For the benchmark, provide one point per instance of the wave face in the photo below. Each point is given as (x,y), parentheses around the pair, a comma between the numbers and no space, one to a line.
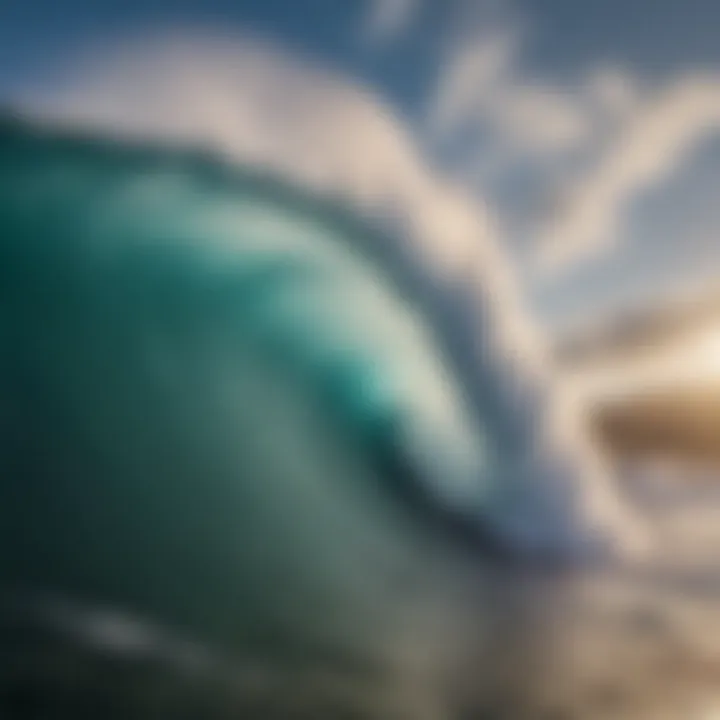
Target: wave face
(205,369)
(154,256)
(129,271)
(242,445)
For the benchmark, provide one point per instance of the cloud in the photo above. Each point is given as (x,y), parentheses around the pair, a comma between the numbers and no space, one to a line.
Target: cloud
(471,73)
(653,140)
(612,92)
(480,88)
(597,143)
(387,19)
(539,119)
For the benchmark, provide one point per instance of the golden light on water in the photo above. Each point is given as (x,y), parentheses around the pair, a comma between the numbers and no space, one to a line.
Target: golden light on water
(704,354)
(690,362)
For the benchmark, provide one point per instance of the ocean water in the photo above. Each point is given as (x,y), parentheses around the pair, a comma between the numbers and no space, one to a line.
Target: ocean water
(247,470)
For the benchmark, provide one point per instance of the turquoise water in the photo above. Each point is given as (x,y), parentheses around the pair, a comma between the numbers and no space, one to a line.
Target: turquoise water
(222,404)
(245,472)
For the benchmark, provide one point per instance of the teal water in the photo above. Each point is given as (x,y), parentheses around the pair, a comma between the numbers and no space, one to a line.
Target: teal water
(223,406)
(245,473)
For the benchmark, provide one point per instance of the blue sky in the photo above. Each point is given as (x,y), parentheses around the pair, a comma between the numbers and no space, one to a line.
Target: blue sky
(588,129)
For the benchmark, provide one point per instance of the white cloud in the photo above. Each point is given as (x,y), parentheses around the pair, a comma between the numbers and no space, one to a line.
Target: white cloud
(652,142)
(481,89)
(619,138)
(539,119)
(613,92)
(472,72)
(387,19)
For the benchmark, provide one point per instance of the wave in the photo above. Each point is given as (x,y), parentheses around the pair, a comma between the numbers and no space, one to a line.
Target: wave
(170,319)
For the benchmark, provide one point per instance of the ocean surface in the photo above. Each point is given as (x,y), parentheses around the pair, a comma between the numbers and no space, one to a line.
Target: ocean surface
(249,469)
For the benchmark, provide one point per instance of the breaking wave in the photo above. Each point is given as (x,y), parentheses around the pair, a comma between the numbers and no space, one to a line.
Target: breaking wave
(177,330)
